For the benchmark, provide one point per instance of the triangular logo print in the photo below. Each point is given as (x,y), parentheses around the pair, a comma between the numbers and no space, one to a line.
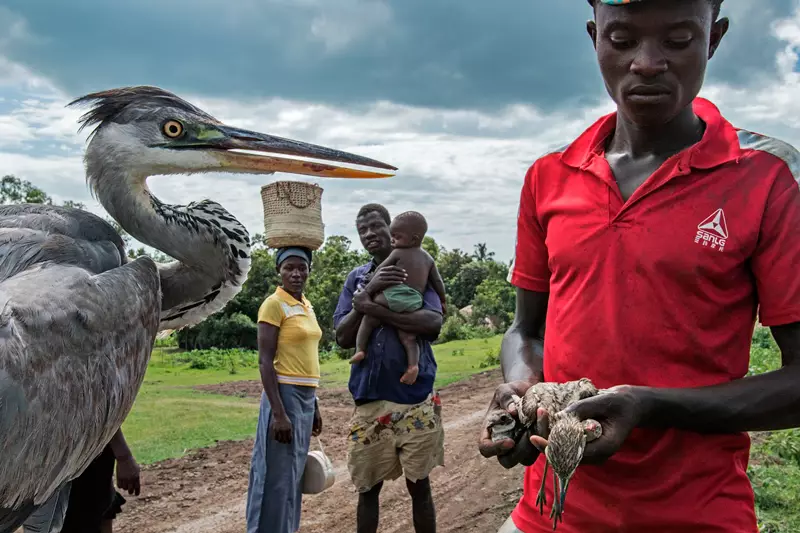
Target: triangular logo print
(716,223)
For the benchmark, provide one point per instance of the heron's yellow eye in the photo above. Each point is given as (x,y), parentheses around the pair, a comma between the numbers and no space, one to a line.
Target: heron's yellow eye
(173,129)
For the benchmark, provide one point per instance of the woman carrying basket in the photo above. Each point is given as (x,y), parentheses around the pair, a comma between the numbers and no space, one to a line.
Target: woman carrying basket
(288,347)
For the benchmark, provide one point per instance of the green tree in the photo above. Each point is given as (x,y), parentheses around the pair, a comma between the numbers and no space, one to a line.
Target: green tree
(16,191)
(449,263)
(463,286)
(482,252)
(430,246)
(494,299)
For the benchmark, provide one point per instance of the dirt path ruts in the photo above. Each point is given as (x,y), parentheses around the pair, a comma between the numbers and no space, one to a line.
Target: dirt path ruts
(205,491)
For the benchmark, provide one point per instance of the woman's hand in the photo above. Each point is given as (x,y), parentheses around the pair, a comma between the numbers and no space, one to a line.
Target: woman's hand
(128,475)
(316,429)
(281,428)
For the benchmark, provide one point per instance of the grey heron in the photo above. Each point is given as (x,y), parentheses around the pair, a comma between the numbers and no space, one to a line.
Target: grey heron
(78,319)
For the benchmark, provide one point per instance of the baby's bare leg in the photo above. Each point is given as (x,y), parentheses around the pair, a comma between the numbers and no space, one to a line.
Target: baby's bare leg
(365,329)
(409,342)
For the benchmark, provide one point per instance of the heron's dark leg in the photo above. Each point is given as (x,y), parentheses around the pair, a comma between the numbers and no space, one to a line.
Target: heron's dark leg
(541,498)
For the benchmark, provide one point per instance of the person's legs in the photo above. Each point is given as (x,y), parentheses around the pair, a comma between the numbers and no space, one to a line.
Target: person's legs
(371,458)
(302,425)
(422,507)
(409,342)
(365,329)
(274,495)
(420,451)
(91,496)
(368,511)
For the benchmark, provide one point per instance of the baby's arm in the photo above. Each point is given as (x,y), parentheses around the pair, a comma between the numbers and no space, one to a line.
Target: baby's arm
(393,258)
(435,279)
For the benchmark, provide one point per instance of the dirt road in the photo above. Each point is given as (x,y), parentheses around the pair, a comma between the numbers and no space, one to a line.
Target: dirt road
(205,491)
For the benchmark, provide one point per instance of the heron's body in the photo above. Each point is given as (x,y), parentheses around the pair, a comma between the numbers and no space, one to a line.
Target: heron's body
(78,319)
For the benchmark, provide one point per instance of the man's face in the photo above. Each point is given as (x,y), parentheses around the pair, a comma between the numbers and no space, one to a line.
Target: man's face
(373,232)
(653,55)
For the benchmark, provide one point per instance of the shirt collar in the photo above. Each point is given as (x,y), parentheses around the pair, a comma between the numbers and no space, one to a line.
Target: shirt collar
(719,145)
(289,299)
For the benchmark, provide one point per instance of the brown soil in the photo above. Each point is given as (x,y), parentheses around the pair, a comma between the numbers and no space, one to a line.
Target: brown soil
(205,491)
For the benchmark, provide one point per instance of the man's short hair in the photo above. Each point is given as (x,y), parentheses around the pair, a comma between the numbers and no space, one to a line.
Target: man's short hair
(374,208)
(716,6)
(414,221)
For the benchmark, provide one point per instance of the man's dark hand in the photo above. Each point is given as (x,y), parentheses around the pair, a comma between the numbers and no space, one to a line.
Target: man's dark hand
(128,475)
(384,278)
(618,410)
(362,301)
(508,452)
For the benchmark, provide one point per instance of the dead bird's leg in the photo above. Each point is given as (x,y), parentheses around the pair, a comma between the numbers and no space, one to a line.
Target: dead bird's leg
(541,498)
(555,511)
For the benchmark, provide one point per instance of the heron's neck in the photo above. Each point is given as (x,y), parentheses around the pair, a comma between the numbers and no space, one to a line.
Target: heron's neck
(171,229)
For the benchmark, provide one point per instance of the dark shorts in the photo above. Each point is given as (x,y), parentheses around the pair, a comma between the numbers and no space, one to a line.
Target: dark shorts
(93,498)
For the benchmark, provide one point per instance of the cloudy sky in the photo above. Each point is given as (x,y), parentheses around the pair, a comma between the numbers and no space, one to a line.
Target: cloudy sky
(460,95)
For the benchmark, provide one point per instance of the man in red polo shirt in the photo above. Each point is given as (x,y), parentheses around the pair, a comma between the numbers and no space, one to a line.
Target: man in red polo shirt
(648,247)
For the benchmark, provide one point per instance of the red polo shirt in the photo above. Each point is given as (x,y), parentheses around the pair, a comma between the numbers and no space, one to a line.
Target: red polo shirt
(662,291)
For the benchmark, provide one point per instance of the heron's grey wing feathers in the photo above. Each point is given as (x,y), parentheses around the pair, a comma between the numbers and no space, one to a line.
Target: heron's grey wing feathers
(87,229)
(61,324)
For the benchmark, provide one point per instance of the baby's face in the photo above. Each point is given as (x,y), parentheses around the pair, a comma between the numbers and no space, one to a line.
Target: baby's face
(402,239)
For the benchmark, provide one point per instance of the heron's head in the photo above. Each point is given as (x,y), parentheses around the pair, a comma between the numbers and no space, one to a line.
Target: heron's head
(147,130)
(565,445)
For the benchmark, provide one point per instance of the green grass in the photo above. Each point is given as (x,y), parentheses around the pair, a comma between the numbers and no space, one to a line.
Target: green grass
(169,418)
(775,458)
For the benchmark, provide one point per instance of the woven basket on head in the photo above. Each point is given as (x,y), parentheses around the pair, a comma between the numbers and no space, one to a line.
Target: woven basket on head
(293,214)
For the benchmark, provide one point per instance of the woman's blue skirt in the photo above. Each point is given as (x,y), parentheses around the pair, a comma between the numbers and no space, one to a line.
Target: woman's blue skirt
(274,494)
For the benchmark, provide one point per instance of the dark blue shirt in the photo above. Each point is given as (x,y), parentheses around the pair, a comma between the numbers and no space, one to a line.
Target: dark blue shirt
(378,376)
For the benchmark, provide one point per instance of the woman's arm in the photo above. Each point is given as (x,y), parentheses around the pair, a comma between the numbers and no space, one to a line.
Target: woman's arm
(267,348)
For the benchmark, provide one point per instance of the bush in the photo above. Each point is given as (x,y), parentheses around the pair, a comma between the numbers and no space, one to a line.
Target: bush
(456,328)
(231,360)
(492,358)
(220,331)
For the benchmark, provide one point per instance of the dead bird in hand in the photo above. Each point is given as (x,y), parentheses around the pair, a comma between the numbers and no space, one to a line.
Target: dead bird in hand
(567,434)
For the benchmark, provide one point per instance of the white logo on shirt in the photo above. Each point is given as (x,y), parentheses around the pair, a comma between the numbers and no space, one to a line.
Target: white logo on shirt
(713,231)
(293,310)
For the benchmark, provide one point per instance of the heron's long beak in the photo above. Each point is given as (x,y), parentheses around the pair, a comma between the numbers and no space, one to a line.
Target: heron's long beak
(221,140)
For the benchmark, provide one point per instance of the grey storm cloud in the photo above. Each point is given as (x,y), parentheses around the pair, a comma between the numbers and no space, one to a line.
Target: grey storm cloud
(445,53)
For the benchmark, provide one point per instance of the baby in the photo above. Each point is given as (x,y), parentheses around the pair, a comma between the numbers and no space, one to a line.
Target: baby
(407,230)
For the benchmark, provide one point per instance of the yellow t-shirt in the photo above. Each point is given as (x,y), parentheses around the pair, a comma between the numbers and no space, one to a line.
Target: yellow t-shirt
(297,356)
